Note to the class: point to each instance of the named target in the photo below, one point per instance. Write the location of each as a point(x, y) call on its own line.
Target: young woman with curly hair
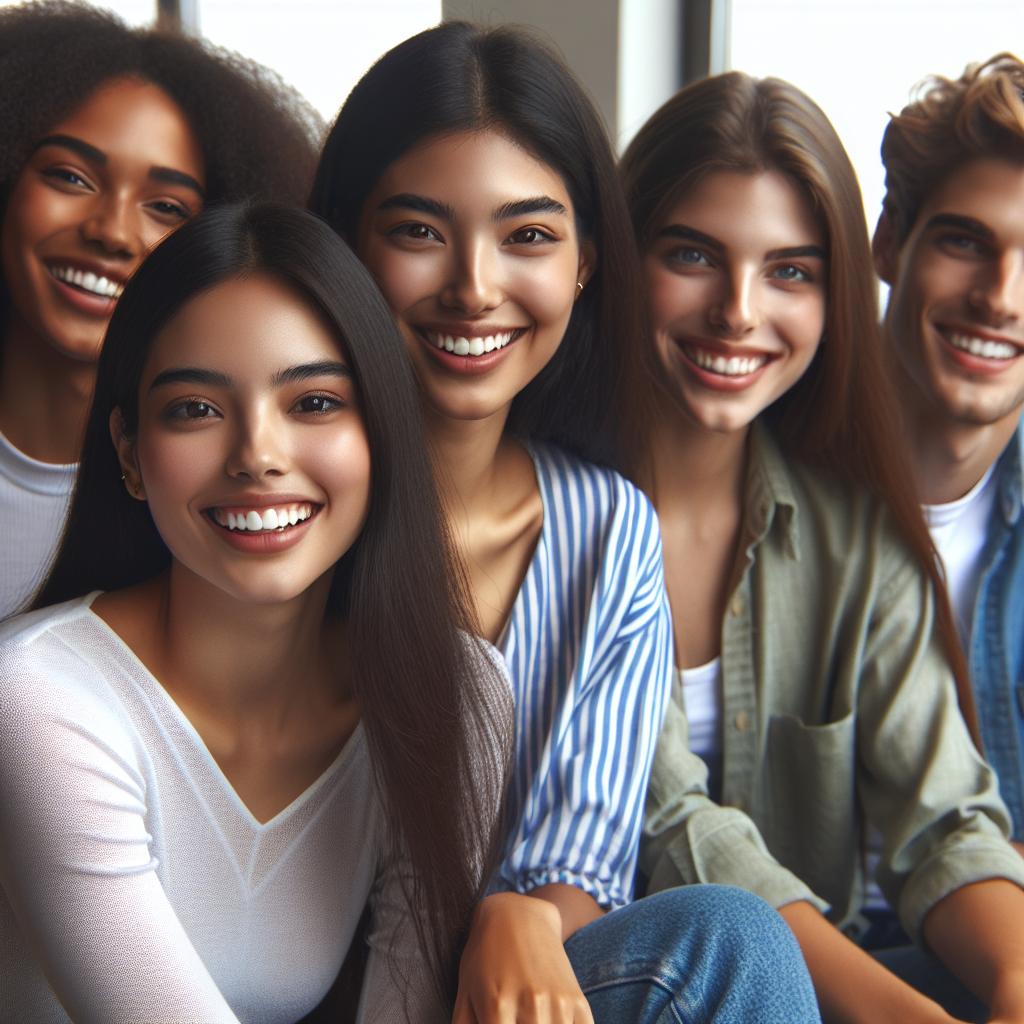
point(111, 138)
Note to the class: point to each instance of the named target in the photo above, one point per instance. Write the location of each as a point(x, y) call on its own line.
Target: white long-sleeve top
point(134, 883)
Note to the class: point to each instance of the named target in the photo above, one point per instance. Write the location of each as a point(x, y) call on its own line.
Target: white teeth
point(268, 520)
point(475, 346)
point(734, 366)
point(982, 347)
point(88, 281)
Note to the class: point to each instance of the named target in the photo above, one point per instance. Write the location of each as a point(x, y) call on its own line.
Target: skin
point(240, 639)
point(958, 274)
point(736, 271)
point(454, 257)
point(103, 187)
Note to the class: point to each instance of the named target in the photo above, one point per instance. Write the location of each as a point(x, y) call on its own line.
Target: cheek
point(671, 297)
point(174, 468)
point(340, 460)
point(403, 280)
point(545, 289)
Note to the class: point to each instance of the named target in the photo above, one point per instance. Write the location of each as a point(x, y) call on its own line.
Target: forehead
point(989, 190)
point(130, 119)
point(737, 208)
point(248, 328)
point(471, 168)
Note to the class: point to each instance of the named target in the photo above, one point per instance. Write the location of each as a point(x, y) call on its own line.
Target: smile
point(475, 346)
point(87, 281)
point(983, 347)
point(267, 520)
point(734, 366)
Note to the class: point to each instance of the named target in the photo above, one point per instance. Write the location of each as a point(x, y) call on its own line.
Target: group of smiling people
point(449, 576)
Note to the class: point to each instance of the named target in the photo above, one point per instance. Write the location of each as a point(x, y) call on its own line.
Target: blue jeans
point(699, 953)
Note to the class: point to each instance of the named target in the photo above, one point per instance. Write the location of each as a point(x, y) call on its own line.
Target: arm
point(573, 850)
point(76, 864)
point(977, 932)
point(850, 984)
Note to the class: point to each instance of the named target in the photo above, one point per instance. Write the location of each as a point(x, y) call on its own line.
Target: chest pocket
point(808, 803)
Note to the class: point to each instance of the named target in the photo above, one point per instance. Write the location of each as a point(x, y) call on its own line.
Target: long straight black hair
point(460, 77)
point(435, 711)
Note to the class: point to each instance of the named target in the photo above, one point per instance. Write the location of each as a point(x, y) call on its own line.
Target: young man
point(950, 243)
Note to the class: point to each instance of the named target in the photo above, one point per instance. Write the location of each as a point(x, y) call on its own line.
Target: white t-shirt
point(959, 530)
point(134, 883)
point(34, 498)
point(702, 698)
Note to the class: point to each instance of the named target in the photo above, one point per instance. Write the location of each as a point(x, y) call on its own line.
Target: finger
point(463, 1014)
point(582, 1013)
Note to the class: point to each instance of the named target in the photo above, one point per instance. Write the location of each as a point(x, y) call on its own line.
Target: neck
point(950, 457)
point(467, 457)
point(236, 660)
point(44, 397)
point(694, 468)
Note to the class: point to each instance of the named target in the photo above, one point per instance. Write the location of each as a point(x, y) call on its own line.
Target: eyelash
point(675, 256)
point(161, 207)
point(408, 231)
point(805, 276)
point(180, 410)
point(334, 403)
point(542, 236)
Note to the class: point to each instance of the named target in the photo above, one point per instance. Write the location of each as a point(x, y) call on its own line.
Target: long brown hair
point(436, 713)
point(842, 415)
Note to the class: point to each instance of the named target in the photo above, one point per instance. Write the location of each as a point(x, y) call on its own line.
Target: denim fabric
point(997, 635)
point(699, 953)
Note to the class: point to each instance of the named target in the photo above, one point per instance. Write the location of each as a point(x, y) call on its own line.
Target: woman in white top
point(244, 709)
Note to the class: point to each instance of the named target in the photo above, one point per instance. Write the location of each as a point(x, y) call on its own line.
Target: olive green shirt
point(838, 708)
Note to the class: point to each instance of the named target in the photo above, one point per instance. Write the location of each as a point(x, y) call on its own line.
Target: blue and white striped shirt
point(589, 649)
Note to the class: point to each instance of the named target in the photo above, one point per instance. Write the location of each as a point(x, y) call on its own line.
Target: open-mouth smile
point(86, 281)
point(477, 345)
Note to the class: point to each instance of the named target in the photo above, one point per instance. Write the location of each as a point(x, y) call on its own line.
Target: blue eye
point(65, 176)
point(789, 272)
point(688, 257)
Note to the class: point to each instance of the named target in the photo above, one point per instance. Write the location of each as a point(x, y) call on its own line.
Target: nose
point(112, 225)
point(257, 450)
point(474, 282)
point(733, 314)
point(998, 293)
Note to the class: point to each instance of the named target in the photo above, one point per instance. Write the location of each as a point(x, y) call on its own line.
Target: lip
point(718, 381)
point(971, 363)
point(468, 365)
point(84, 302)
point(270, 542)
point(246, 501)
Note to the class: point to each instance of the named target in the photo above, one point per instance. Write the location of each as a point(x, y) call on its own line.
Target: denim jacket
point(997, 634)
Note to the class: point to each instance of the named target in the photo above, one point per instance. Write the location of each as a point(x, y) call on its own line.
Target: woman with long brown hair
point(816, 723)
point(247, 706)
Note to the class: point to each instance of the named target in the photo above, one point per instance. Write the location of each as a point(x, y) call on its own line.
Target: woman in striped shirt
point(473, 177)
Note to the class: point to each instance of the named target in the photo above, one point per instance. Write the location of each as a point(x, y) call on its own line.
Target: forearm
point(575, 907)
point(978, 933)
point(851, 985)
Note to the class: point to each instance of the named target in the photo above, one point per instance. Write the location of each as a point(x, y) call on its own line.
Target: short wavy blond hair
point(950, 122)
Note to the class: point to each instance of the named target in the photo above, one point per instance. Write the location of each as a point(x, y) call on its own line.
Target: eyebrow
point(304, 371)
point(421, 204)
point(686, 234)
point(166, 175)
point(524, 207)
point(213, 378)
point(961, 223)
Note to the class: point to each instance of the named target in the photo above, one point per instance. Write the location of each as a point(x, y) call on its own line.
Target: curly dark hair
point(258, 136)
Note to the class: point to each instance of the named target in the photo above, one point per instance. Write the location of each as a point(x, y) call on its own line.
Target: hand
point(514, 969)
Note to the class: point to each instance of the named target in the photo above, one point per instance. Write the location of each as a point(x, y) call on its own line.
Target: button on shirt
point(837, 699)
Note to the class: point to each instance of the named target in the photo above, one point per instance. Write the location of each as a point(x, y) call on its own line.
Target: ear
point(125, 447)
point(587, 265)
point(885, 247)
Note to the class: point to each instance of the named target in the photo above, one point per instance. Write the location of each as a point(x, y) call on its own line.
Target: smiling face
point(473, 243)
point(250, 449)
point(97, 193)
point(956, 309)
point(736, 279)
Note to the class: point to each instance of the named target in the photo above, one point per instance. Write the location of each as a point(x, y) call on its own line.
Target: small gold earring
point(579, 287)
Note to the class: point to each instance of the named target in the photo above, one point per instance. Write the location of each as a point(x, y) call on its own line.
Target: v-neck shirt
point(132, 876)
